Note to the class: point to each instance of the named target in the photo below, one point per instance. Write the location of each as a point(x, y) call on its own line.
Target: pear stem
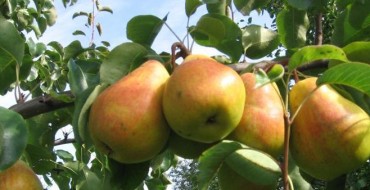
point(287, 124)
point(184, 52)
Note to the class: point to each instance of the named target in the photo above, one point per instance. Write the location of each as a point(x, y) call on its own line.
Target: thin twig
point(64, 141)
point(318, 29)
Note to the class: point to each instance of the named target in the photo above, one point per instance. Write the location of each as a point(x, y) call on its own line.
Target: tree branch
point(318, 29)
point(40, 105)
point(64, 141)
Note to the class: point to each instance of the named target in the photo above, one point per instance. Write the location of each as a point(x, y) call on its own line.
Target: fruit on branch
point(126, 120)
point(19, 176)
point(228, 179)
point(262, 124)
point(186, 148)
point(330, 135)
point(203, 100)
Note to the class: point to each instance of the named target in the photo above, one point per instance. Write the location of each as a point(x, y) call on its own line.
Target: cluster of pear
point(19, 176)
point(203, 102)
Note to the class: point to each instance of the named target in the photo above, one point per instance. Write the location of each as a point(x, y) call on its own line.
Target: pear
point(126, 120)
point(262, 124)
point(203, 100)
point(330, 135)
point(19, 176)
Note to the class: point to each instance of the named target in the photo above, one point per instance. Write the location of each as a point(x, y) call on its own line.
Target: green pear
point(330, 135)
point(186, 148)
point(126, 120)
point(228, 179)
point(19, 176)
point(262, 124)
point(203, 100)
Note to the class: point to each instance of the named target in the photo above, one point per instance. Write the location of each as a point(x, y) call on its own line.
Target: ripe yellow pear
point(330, 135)
point(228, 179)
point(262, 124)
point(126, 120)
point(203, 100)
point(19, 176)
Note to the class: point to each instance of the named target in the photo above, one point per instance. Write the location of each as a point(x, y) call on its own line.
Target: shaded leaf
point(255, 166)
point(258, 41)
point(245, 7)
point(81, 13)
point(99, 28)
point(14, 137)
point(81, 123)
point(128, 176)
point(73, 49)
point(121, 60)
point(41, 159)
point(358, 51)
point(292, 25)
point(308, 54)
point(352, 24)
point(191, 6)
point(78, 32)
point(217, 8)
point(211, 160)
point(355, 75)
point(300, 4)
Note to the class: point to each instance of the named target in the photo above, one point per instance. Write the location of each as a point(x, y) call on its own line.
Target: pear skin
point(330, 135)
point(19, 176)
point(203, 100)
point(262, 124)
point(126, 120)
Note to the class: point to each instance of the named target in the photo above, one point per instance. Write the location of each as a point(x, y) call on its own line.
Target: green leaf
point(356, 75)
point(41, 159)
point(211, 160)
point(258, 41)
point(255, 166)
point(81, 13)
point(14, 137)
point(358, 51)
point(144, 29)
point(217, 8)
point(292, 25)
point(64, 155)
point(245, 7)
point(300, 4)
point(11, 53)
point(191, 6)
point(220, 32)
point(308, 54)
point(274, 74)
point(299, 182)
point(352, 24)
point(76, 77)
point(82, 113)
point(105, 9)
point(128, 176)
point(121, 60)
point(51, 16)
point(78, 32)
point(73, 50)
